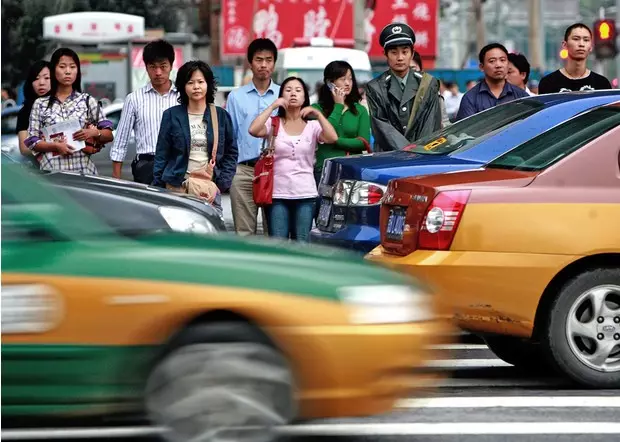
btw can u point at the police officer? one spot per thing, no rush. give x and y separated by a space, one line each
404 104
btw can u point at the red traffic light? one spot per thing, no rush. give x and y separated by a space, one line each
605 39
604 31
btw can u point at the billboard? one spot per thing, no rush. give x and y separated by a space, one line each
282 21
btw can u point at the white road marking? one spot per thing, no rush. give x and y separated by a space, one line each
81 433
458 347
489 383
466 363
445 428
512 402
381 429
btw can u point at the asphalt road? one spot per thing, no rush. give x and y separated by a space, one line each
482 400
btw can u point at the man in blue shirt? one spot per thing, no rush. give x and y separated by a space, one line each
494 89
244 104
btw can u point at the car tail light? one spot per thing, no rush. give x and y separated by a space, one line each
442 219
357 193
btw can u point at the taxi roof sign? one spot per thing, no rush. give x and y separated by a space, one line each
93 27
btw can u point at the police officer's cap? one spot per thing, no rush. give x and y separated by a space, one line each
396 34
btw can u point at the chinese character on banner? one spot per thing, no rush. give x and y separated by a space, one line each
316 23
400 4
266 25
401 18
369 29
421 12
421 15
421 40
237 37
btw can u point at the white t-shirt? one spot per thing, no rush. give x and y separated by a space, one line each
198 154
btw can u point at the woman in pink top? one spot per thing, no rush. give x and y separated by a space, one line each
294 188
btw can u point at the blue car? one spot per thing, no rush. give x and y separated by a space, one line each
351 187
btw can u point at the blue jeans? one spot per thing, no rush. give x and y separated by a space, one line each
291 218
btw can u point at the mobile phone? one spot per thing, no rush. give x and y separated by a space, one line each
331 85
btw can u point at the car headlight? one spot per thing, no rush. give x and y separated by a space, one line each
386 304
183 220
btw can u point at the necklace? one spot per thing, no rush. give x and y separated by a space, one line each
585 74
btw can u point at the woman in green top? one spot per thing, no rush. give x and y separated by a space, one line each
339 100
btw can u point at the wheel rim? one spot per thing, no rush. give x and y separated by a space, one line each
225 382
593 328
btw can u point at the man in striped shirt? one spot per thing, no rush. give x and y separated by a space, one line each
142 112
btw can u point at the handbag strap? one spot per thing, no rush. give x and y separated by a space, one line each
366 144
215 125
275 126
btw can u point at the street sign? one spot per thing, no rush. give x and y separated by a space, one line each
93 27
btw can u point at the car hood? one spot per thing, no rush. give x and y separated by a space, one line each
143 192
258 264
384 166
129 192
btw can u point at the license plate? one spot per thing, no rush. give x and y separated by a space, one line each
325 212
396 225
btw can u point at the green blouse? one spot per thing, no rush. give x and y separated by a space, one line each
348 127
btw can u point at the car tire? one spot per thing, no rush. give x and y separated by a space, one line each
221 381
522 353
586 309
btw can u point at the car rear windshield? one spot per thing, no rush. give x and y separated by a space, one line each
468 132
559 142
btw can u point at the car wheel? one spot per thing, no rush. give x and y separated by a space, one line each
221 381
583 333
521 353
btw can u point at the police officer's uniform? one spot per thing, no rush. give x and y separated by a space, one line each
390 100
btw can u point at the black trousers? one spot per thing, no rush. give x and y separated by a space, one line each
142 168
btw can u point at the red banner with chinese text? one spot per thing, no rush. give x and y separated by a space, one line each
282 21
421 15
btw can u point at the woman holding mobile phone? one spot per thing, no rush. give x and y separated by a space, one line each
340 102
301 128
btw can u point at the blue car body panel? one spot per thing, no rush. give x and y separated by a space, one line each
357 228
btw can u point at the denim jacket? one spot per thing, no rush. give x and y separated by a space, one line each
173 147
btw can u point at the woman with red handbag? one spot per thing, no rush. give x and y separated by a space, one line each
340 102
301 127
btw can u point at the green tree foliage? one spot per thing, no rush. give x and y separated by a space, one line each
22 26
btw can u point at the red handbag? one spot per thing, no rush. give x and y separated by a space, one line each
262 184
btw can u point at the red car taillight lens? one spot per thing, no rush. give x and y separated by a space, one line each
375 193
442 219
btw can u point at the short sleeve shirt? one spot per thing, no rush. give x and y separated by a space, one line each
558 82
78 106
294 157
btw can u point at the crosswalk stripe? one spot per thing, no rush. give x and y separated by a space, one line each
489 383
353 429
466 363
446 428
512 402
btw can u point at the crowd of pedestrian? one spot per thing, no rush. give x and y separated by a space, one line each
187 144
